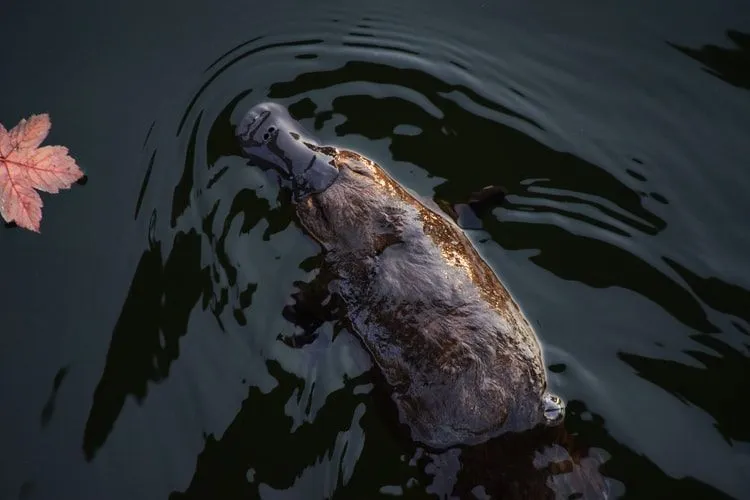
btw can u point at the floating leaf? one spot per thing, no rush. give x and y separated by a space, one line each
25 168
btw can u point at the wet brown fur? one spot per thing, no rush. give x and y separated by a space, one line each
462 359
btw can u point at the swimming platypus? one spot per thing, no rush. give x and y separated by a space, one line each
462 361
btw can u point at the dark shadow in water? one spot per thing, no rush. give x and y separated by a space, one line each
49 406
181 198
26 491
145 340
600 265
221 141
147 176
724 297
260 439
643 478
729 64
471 152
259 447
725 372
144 184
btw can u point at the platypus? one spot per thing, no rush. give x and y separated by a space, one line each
462 362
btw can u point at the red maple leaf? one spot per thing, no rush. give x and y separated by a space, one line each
24 167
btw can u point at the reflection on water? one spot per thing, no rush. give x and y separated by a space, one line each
264 451
49 406
731 64
317 420
145 340
725 369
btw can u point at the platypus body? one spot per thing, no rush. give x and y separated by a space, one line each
462 361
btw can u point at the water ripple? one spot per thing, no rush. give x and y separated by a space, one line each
446 115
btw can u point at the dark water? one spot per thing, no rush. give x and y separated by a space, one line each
141 338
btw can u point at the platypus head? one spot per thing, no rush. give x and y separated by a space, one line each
271 138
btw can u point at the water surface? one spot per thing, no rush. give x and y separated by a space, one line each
145 334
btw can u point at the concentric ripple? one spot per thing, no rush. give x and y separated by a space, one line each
446 115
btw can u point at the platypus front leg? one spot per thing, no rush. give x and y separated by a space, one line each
311 305
469 215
